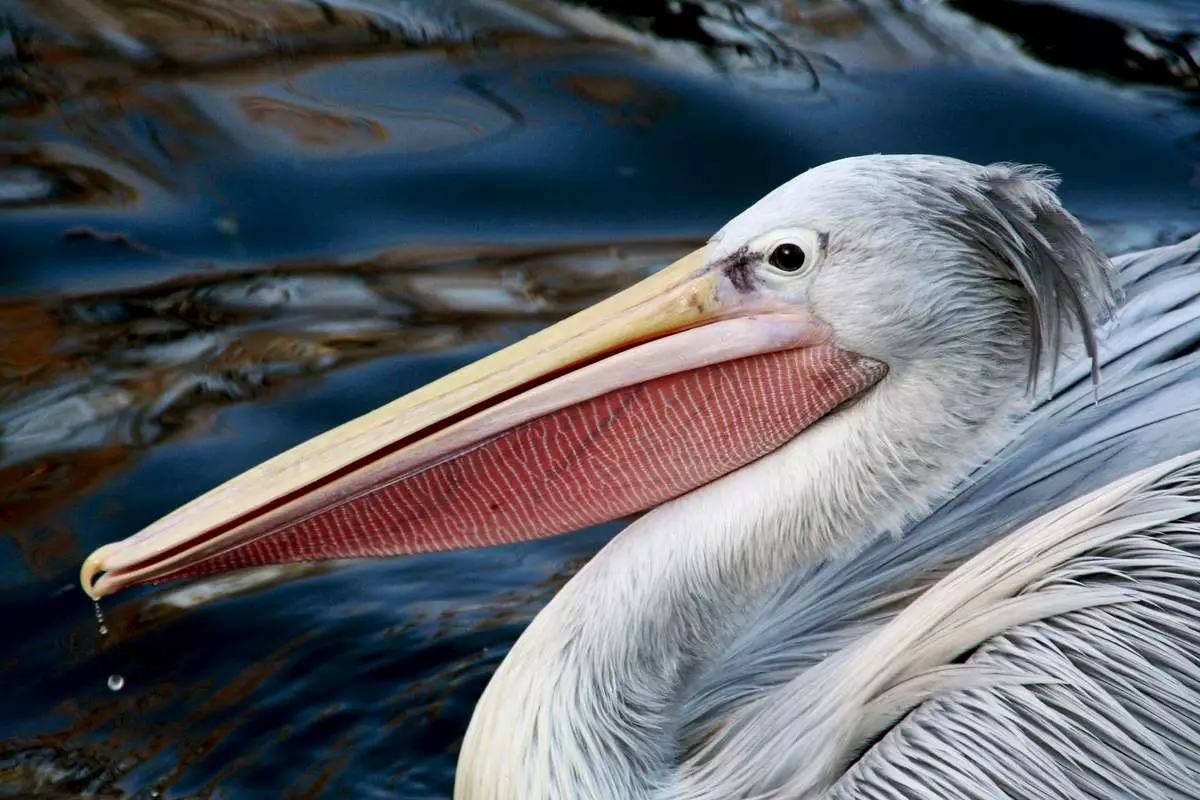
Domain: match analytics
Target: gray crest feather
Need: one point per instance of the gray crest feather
(1013, 215)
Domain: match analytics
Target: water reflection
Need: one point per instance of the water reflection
(172, 33)
(104, 101)
(174, 725)
(1117, 41)
(47, 176)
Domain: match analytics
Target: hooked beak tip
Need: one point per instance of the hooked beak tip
(92, 574)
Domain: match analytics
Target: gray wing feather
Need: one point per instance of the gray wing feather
(1069, 690)
(1113, 709)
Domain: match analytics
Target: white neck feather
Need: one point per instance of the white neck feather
(585, 704)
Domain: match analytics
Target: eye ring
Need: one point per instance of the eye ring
(788, 257)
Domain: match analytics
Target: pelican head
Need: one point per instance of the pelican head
(836, 357)
(909, 258)
(967, 281)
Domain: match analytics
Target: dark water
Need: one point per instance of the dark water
(227, 225)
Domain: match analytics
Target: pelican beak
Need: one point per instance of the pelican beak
(666, 386)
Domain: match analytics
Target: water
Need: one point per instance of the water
(221, 236)
(101, 628)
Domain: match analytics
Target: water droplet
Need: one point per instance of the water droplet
(100, 626)
(116, 682)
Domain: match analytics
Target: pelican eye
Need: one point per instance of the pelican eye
(787, 257)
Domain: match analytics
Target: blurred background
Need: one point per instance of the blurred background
(227, 225)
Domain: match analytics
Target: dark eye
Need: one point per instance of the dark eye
(787, 257)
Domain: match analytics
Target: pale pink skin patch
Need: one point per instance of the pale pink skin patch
(574, 465)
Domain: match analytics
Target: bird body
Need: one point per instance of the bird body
(962, 569)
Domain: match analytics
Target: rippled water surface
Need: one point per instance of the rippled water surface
(228, 225)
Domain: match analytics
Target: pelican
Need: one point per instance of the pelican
(922, 489)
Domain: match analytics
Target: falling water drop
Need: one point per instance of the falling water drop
(100, 618)
(116, 682)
